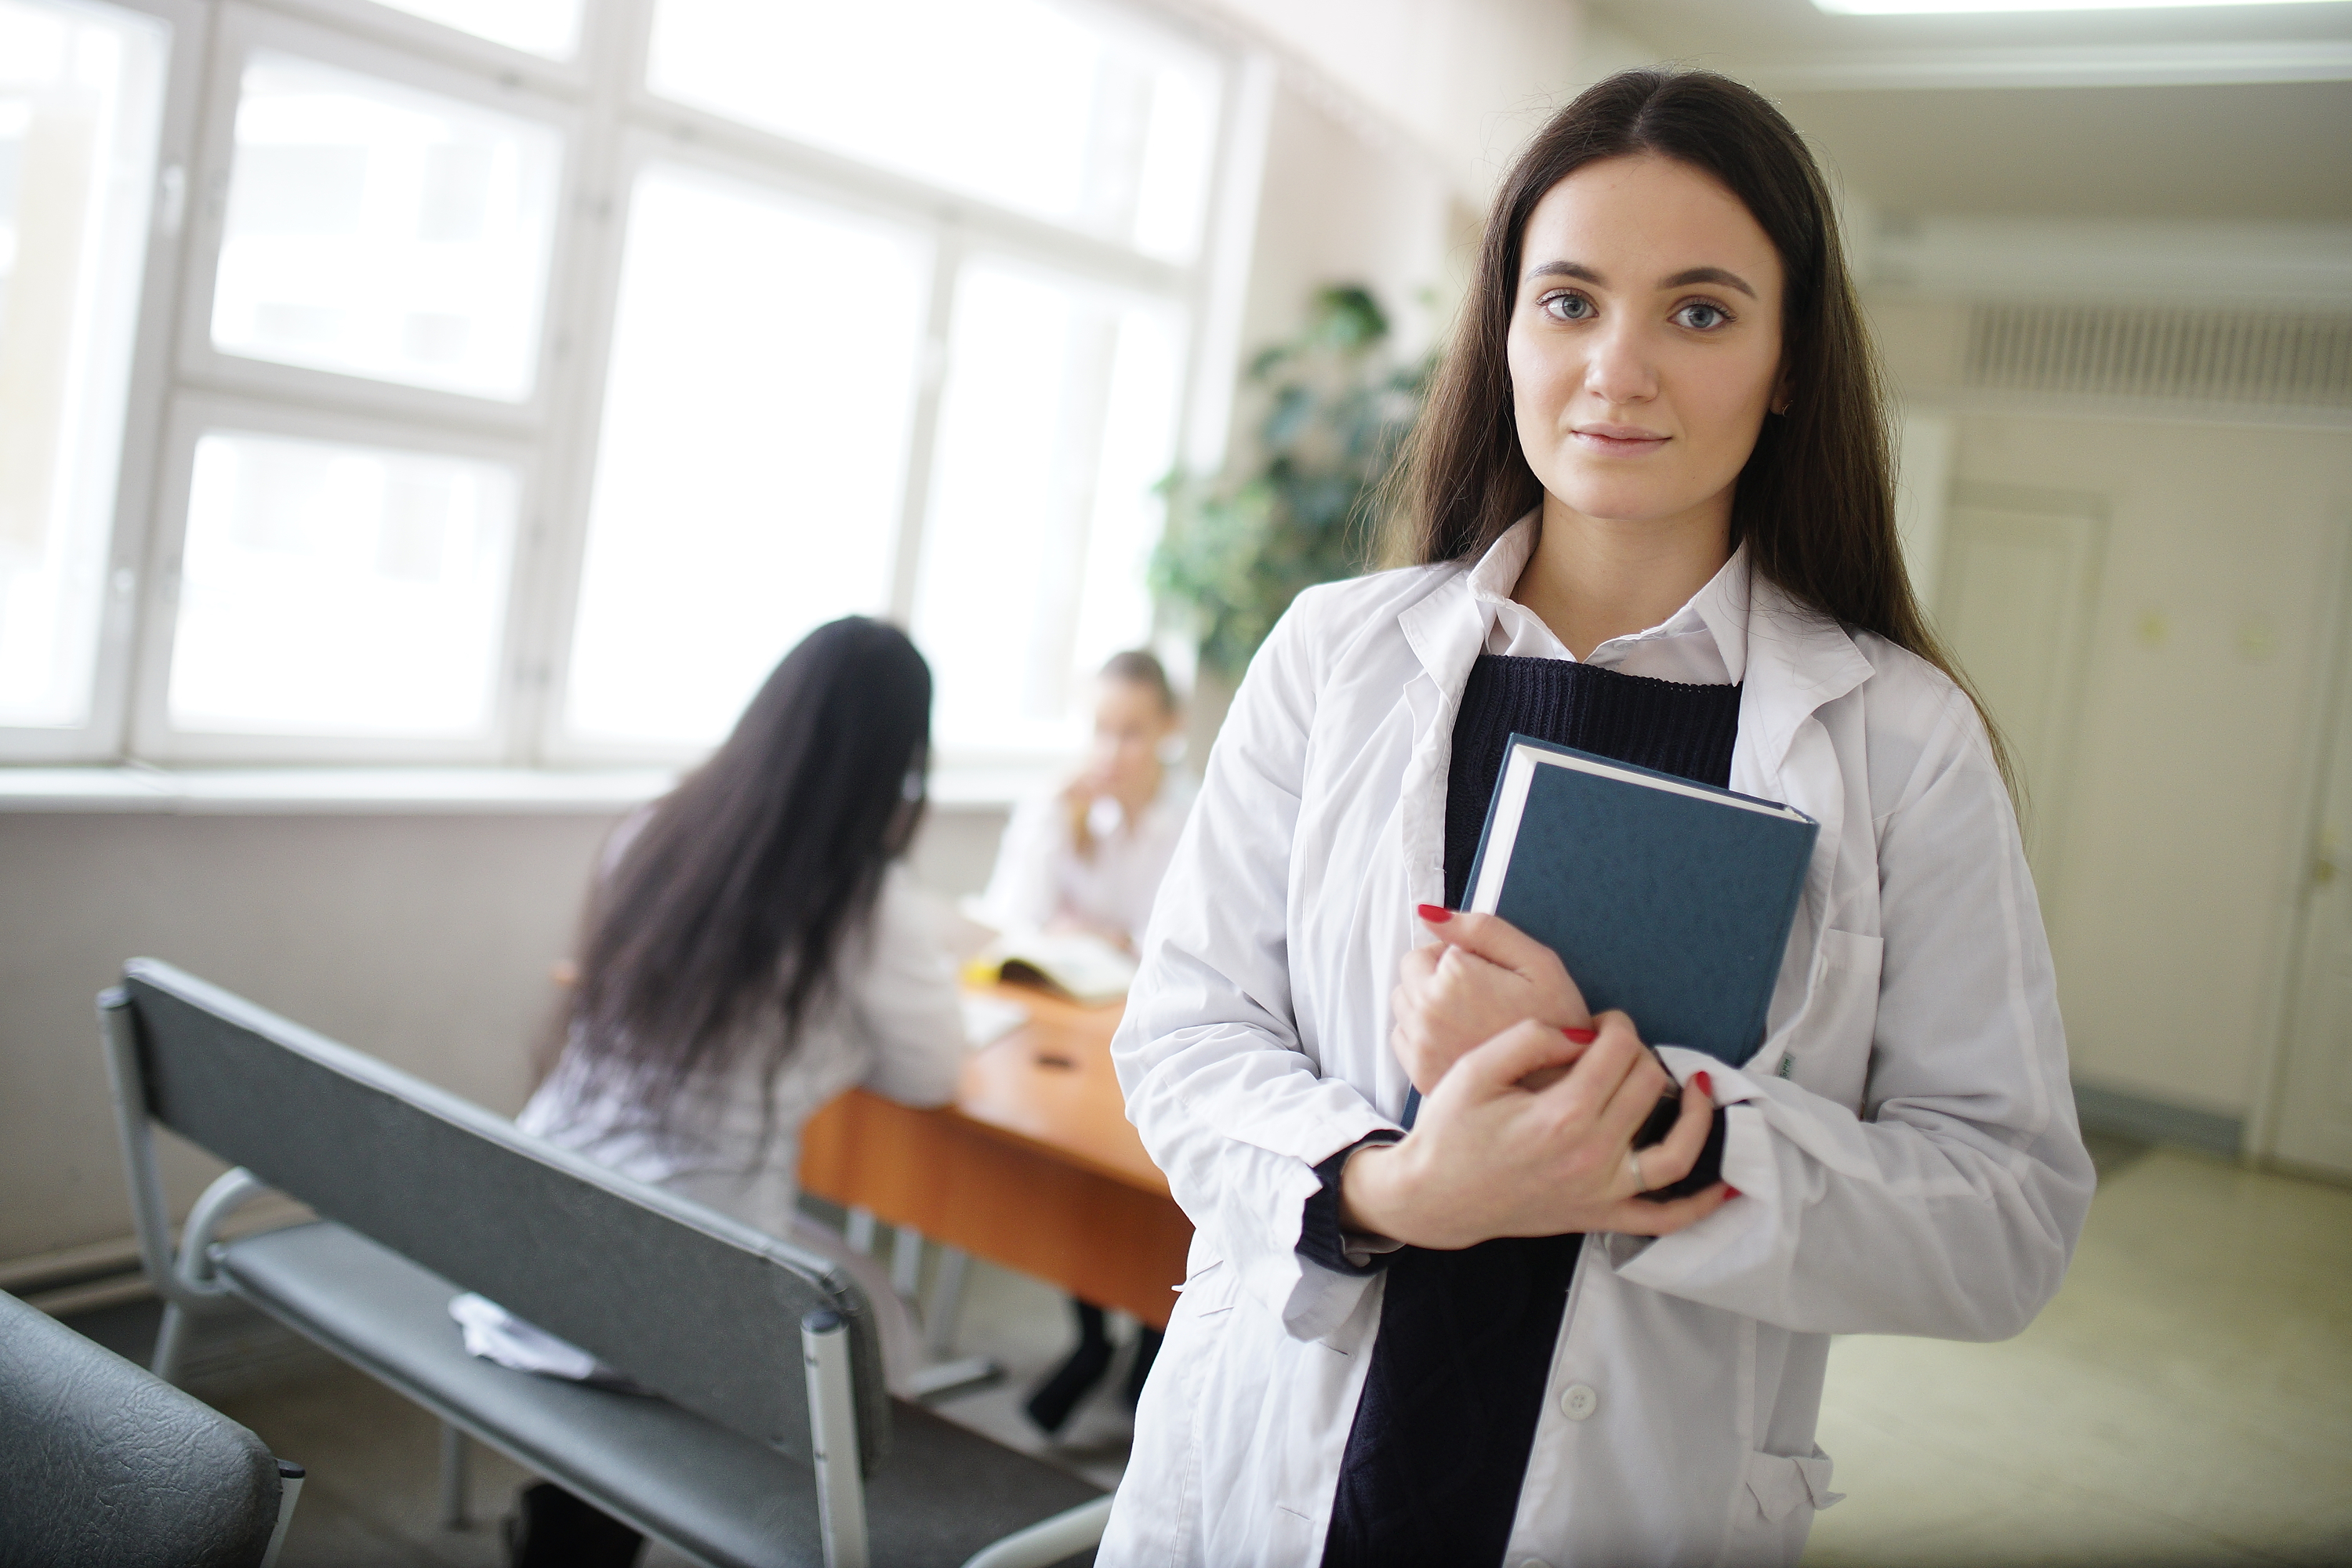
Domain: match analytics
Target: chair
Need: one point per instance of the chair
(768, 1439)
(109, 1467)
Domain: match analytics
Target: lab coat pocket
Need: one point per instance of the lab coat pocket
(1829, 1050)
(1780, 1483)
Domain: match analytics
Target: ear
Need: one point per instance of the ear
(1782, 391)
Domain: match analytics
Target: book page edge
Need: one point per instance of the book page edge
(1518, 772)
(1672, 786)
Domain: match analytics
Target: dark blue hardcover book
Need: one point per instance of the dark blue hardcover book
(1669, 900)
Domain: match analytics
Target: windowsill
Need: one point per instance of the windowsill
(405, 791)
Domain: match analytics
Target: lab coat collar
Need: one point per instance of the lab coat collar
(1719, 608)
(1791, 657)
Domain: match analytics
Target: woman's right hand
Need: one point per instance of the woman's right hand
(1489, 1156)
(1479, 977)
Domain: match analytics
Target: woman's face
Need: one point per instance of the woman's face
(1645, 340)
(1130, 726)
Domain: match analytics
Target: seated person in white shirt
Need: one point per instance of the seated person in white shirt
(754, 946)
(1088, 858)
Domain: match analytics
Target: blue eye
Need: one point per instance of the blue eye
(1700, 316)
(1568, 306)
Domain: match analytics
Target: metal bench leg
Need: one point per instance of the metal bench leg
(1048, 1540)
(289, 1486)
(860, 1231)
(456, 1453)
(190, 1286)
(946, 1302)
(171, 1343)
(907, 1263)
(833, 1439)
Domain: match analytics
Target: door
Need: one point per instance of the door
(2013, 601)
(2314, 1124)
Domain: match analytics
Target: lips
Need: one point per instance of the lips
(1627, 440)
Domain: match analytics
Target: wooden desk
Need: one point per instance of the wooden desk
(1034, 1166)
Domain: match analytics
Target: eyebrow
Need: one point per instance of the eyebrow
(1680, 280)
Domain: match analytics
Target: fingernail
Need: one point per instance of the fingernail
(1436, 914)
(1730, 1191)
(1582, 1037)
(1706, 1084)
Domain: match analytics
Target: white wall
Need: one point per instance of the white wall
(1462, 82)
(2181, 844)
(424, 940)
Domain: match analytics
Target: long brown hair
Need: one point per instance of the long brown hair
(732, 902)
(1815, 504)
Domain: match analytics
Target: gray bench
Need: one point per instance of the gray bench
(770, 1440)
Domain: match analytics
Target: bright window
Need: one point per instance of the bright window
(749, 478)
(1059, 416)
(384, 232)
(1055, 109)
(329, 588)
(484, 407)
(81, 93)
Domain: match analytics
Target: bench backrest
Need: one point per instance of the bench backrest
(697, 1307)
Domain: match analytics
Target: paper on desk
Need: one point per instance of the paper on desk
(988, 1019)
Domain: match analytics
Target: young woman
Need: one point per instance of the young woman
(1089, 856)
(754, 948)
(1652, 513)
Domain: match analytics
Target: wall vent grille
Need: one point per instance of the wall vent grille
(2270, 358)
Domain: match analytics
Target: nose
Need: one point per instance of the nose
(1620, 370)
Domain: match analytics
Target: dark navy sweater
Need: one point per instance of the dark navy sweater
(1440, 1442)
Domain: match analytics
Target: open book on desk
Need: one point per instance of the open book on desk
(1085, 969)
(1668, 899)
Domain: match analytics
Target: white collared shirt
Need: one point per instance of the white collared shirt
(1705, 642)
(1041, 878)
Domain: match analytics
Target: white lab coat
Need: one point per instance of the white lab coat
(1904, 1137)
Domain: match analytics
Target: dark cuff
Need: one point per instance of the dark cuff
(1319, 1240)
(1703, 1175)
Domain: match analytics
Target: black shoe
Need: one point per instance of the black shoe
(1059, 1395)
(550, 1528)
(1147, 1351)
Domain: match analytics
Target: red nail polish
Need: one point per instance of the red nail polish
(1582, 1037)
(1730, 1191)
(1706, 1084)
(1436, 914)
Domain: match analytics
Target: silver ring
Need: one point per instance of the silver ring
(1633, 1169)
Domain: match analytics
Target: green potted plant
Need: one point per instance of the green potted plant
(1237, 550)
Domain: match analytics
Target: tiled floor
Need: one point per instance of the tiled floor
(2188, 1399)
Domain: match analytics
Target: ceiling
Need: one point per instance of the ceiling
(2212, 112)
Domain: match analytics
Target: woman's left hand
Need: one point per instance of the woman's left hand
(1482, 975)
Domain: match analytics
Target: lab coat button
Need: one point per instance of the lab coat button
(1577, 1401)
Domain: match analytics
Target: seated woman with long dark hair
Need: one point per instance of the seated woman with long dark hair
(754, 947)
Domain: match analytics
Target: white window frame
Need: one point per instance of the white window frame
(613, 127)
(100, 735)
(241, 30)
(195, 413)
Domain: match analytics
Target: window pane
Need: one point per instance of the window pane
(749, 480)
(384, 232)
(1054, 109)
(331, 589)
(80, 90)
(1059, 416)
(549, 28)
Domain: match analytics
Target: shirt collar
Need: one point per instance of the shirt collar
(1720, 607)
